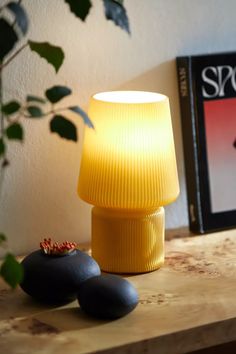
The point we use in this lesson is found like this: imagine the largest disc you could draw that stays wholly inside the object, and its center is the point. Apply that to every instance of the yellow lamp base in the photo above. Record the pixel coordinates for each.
(128, 241)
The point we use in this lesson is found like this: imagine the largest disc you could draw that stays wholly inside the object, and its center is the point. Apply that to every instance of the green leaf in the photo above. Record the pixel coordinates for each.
(2, 147)
(79, 8)
(63, 127)
(115, 11)
(5, 163)
(11, 107)
(8, 38)
(84, 115)
(54, 55)
(31, 98)
(3, 238)
(35, 112)
(11, 271)
(20, 15)
(56, 93)
(15, 132)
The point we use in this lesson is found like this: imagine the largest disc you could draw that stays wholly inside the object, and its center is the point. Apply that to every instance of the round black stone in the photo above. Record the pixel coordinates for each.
(56, 279)
(107, 296)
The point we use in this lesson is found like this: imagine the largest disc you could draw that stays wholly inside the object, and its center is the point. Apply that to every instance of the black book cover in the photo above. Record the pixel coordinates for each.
(207, 91)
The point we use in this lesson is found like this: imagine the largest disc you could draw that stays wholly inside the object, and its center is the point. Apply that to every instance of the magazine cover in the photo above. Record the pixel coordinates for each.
(207, 90)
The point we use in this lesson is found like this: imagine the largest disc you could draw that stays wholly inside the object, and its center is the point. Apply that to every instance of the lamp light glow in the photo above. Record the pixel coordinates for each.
(128, 171)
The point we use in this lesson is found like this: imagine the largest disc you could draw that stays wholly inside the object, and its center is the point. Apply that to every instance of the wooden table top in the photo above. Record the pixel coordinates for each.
(187, 305)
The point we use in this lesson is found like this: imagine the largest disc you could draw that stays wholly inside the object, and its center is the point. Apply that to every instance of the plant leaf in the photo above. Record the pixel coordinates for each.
(15, 132)
(115, 11)
(54, 55)
(2, 147)
(31, 98)
(83, 114)
(11, 271)
(5, 163)
(35, 112)
(8, 38)
(20, 15)
(63, 127)
(79, 8)
(11, 107)
(3, 238)
(56, 93)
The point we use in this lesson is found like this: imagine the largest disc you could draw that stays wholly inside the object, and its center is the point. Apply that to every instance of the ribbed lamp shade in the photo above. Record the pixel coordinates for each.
(128, 161)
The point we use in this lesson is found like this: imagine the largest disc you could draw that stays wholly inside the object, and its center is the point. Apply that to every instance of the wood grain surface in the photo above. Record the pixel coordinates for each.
(187, 305)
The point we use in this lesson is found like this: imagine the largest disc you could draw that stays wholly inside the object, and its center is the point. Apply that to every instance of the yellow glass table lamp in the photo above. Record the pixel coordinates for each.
(128, 171)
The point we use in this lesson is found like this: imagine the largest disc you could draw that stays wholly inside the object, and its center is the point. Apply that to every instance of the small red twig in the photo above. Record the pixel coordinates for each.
(50, 247)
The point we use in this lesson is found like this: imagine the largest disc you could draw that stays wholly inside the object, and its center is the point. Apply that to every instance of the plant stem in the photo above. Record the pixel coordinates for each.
(56, 110)
(3, 65)
(52, 111)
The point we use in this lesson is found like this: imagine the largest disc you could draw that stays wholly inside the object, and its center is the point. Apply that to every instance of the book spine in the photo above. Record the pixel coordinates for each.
(189, 132)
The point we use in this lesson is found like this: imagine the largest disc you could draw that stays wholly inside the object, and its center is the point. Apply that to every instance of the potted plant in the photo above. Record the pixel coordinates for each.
(13, 113)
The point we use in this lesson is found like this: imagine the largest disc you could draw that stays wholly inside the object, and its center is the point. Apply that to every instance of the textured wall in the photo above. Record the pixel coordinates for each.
(39, 197)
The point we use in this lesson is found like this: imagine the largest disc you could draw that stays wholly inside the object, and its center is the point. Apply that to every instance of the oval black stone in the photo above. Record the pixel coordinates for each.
(107, 296)
(56, 279)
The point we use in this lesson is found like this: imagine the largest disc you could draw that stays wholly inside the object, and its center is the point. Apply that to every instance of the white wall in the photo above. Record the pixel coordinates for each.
(39, 197)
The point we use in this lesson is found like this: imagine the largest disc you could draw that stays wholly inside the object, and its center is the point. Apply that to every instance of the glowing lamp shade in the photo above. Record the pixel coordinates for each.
(128, 171)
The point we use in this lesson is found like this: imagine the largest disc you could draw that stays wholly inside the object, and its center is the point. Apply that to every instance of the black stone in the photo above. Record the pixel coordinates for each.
(107, 296)
(55, 279)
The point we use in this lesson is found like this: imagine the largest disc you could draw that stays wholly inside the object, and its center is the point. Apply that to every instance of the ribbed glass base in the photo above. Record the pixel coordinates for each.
(128, 241)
